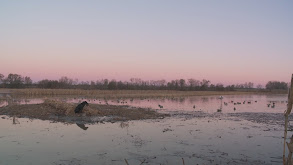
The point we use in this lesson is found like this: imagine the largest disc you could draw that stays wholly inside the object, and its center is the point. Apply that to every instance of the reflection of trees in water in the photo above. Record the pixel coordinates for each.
(193, 99)
(205, 99)
(182, 99)
(213, 98)
(177, 99)
(163, 100)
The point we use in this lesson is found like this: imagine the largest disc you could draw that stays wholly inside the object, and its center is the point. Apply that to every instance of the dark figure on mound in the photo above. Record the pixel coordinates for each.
(80, 106)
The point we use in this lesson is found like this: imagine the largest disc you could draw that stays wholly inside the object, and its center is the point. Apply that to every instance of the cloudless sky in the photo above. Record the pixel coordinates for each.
(225, 41)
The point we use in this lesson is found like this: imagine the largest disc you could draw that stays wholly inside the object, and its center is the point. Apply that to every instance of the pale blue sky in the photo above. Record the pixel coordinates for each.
(224, 41)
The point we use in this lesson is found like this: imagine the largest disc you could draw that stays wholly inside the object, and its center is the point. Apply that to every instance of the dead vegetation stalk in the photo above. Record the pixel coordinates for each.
(287, 161)
(126, 161)
(183, 161)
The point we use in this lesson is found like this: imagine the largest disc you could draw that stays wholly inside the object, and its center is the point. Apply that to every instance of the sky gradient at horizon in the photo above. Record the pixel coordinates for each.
(222, 41)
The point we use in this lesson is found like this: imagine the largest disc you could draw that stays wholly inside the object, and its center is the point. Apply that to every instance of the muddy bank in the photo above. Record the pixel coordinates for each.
(64, 112)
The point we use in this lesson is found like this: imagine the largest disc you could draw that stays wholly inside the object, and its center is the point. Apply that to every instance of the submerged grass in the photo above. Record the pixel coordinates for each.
(121, 93)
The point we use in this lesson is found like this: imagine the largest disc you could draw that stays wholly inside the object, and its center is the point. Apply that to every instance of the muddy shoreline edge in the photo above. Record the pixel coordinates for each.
(58, 111)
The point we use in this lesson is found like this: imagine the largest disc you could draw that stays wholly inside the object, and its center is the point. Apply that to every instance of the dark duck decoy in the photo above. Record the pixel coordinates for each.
(80, 106)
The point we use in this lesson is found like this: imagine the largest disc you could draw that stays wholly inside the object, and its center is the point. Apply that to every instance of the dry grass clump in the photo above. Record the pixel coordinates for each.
(60, 111)
(67, 109)
(61, 108)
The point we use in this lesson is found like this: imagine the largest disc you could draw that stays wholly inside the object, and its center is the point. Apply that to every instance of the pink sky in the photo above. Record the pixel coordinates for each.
(235, 43)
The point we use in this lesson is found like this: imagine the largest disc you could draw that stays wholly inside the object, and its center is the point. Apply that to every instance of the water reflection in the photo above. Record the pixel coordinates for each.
(166, 141)
(15, 120)
(82, 126)
(208, 104)
(221, 106)
(124, 125)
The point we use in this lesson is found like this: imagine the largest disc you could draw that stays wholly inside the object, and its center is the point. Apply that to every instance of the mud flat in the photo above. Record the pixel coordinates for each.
(64, 112)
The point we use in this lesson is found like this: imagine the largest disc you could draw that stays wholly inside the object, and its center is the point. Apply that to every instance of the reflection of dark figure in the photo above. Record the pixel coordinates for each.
(15, 121)
(80, 106)
(82, 126)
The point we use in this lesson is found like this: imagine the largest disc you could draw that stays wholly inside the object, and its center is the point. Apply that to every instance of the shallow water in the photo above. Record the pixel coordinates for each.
(208, 104)
(252, 134)
(166, 141)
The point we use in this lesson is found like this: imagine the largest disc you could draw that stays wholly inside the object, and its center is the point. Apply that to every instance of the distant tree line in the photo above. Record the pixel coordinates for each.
(18, 81)
(15, 81)
(277, 85)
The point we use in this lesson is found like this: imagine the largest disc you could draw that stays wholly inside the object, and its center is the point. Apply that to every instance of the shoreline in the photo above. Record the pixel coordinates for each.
(64, 112)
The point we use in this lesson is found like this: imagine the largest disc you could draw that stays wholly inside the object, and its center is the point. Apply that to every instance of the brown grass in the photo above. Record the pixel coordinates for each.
(51, 109)
(67, 109)
(122, 93)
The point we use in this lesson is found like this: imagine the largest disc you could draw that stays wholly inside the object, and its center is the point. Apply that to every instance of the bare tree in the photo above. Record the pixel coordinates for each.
(65, 81)
(276, 85)
(259, 86)
(112, 85)
(193, 83)
(28, 81)
(14, 80)
(248, 85)
(1, 78)
(204, 84)
(182, 83)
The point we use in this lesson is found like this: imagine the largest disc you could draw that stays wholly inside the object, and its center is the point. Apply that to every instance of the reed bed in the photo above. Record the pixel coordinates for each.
(120, 93)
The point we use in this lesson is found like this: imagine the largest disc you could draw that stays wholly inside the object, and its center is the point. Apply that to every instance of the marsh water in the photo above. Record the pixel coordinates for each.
(201, 130)
(208, 104)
